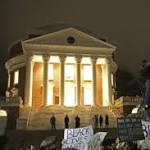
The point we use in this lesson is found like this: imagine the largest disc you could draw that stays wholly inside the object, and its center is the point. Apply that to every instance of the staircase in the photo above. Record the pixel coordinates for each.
(38, 119)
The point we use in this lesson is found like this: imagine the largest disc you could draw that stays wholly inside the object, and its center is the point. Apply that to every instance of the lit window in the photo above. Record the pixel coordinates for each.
(50, 94)
(50, 72)
(87, 74)
(69, 94)
(69, 72)
(88, 94)
(16, 77)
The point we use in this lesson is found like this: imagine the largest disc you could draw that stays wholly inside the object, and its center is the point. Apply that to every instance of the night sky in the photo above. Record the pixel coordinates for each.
(124, 23)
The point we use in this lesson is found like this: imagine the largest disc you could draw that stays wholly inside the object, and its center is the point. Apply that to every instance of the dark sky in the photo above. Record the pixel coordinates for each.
(124, 23)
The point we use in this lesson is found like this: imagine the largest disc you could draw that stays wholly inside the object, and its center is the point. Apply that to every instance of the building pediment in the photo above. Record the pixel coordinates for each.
(69, 37)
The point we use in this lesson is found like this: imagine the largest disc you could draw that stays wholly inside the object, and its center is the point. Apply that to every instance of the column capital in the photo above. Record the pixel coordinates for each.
(93, 59)
(78, 59)
(62, 58)
(108, 60)
(29, 57)
(45, 57)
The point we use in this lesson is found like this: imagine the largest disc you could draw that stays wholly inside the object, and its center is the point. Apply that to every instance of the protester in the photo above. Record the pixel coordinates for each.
(106, 121)
(96, 121)
(100, 120)
(53, 122)
(77, 122)
(66, 120)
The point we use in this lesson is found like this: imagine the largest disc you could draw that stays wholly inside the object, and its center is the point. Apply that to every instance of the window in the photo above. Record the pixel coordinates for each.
(88, 94)
(16, 77)
(69, 94)
(69, 72)
(87, 72)
(50, 72)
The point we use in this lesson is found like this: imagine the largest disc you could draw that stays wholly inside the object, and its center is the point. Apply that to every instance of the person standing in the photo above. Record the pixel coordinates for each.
(106, 121)
(100, 120)
(53, 122)
(96, 121)
(66, 120)
(77, 122)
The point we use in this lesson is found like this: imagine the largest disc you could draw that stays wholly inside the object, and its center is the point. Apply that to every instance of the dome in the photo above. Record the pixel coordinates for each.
(15, 49)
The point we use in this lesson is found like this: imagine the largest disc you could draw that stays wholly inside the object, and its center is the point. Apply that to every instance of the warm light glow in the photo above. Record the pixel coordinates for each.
(69, 94)
(50, 94)
(54, 59)
(87, 72)
(105, 87)
(86, 60)
(16, 77)
(70, 60)
(3, 113)
(101, 61)
(50, 72)
(88, 94)
(69, 72)
(37, 58)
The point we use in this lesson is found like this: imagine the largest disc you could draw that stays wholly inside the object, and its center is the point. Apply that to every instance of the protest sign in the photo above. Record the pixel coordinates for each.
(146, 129)
(145, 144)
(98, 139)
(129, 129)
(77, 138)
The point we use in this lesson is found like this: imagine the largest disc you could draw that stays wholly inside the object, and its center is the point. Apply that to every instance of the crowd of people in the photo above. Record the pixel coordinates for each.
(98, 121)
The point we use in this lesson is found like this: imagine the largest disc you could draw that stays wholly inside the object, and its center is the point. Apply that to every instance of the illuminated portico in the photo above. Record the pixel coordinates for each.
(66, 68)
(75, 73)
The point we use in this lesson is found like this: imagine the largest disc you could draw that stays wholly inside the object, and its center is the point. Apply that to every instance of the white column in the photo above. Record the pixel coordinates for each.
(93, 60)
(45, 79)
(108, 78)
(78, 65)
(28, 81)
(62, 75)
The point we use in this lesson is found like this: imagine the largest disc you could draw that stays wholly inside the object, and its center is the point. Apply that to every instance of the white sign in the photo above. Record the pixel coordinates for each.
(98, 139)
(145, 144)
(146, 129)
(77, 138)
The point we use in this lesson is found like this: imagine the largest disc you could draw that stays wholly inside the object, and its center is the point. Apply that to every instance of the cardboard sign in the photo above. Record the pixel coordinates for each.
(129, 129)
(146, 129)
(77, 138)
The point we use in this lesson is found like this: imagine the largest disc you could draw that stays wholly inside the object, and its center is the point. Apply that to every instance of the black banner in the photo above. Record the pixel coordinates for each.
(129, 129)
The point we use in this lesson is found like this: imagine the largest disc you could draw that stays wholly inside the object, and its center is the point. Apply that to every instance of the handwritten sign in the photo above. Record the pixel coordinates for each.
(77, 138)
(129, 129)
(146, 129)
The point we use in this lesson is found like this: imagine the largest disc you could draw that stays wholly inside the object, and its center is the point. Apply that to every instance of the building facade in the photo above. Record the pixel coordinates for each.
(67, 67)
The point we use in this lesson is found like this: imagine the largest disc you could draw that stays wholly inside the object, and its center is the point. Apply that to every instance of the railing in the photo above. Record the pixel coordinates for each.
(11, 101)
(127, 100)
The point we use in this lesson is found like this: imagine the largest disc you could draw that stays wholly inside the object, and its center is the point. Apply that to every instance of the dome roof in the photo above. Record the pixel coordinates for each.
(15, 49)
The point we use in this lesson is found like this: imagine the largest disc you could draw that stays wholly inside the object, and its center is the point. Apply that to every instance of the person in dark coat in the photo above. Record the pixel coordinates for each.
(100, 120)
(53, 122)
(96, 121)
(77, 122)
(106, 121)
(66, 120)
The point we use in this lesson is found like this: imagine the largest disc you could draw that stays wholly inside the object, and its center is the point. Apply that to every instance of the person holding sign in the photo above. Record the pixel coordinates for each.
(66, 120)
